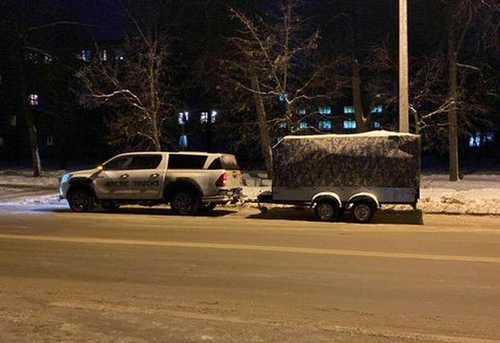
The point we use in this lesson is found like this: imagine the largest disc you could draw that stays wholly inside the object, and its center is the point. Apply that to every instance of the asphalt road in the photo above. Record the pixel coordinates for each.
(143, 275)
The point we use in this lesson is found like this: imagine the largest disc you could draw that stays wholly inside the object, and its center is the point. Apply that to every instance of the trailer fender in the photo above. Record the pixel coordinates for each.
(366, 196)
(327, 195)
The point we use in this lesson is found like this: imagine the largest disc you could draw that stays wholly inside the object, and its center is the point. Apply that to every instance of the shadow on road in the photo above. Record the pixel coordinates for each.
(153, 211)
(411, 217)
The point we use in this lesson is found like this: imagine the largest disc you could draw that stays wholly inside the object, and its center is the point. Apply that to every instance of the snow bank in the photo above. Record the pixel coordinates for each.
(23, 178)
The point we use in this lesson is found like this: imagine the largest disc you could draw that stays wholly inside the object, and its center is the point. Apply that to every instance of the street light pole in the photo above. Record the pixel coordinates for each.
(404, 112)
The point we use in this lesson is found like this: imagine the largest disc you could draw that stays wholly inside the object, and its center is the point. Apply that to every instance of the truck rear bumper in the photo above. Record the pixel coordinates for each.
(224, 197)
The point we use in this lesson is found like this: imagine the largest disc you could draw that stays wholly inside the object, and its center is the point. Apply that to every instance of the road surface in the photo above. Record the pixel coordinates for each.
(143, 275)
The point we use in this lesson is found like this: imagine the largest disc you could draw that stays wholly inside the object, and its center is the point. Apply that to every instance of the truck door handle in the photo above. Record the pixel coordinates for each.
(124, 176)
(155, 176)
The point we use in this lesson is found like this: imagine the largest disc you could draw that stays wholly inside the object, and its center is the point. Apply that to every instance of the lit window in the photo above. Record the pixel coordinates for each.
(33, 99)
(325, 125)
(204, 117)
(349, 110)
(378, 109)
(119, 55)
(349, 124)
(302, 112)
(474, 142)
(490, 137)
(377, 125)
(86, 55)
(104, 55)
(183, 118)
(213, 117)
(325, 110)
(50, 141)
(183, 141)
(303, 125)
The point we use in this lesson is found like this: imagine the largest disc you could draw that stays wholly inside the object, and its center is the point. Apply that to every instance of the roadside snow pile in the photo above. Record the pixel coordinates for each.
(39, 200)
(475, 194)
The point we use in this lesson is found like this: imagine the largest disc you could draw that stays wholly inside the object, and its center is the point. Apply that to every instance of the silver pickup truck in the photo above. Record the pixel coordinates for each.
(190, 182)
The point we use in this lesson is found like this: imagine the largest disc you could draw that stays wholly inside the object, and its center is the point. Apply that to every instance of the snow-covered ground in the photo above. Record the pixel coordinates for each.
(22, 178)
(475, 194)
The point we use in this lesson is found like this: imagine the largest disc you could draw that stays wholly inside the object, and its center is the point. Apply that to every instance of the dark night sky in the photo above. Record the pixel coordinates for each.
(105, 15)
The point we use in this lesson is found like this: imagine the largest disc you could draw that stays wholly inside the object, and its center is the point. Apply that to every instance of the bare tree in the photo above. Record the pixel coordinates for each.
(25, 38)
(137, 86)
(275, 61)
(462, 17)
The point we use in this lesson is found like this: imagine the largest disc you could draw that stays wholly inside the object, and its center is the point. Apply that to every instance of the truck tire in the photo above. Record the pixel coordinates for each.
(81, 200)
(326, 210)
(185, 203)
(363, 211)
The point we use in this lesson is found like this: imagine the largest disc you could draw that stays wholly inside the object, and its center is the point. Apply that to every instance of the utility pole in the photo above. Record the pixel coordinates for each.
(404, 112)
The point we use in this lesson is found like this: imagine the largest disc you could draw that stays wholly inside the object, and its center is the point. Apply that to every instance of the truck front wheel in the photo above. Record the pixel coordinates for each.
(185, 203)
(326, 210)
(80, 200)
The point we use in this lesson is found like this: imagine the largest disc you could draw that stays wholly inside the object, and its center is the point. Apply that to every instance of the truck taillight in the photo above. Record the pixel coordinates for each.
(222, 180)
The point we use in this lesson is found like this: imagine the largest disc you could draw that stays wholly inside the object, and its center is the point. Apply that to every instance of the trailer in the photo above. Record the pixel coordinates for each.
(357, 173)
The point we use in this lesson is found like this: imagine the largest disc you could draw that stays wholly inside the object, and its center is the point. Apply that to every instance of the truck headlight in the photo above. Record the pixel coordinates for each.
(65, 178)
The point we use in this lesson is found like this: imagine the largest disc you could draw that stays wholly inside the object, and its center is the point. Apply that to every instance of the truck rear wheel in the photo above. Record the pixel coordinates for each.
(81, 200)
(363, 211)
(326, 210)
(185, 203)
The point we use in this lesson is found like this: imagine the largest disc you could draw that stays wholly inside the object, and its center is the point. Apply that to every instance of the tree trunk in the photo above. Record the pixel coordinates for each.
(35, 154)
(29, 119)
(265, 139)
(453, 112)
(362, 121)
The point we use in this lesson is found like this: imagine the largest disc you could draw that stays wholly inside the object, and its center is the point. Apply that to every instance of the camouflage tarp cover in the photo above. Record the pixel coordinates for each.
(373, 159)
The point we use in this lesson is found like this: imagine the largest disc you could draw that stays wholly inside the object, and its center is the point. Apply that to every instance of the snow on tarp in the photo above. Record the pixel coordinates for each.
(372, 159)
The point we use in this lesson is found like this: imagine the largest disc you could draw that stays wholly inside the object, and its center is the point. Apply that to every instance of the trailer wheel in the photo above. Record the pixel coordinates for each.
(326, 210)
(363, 211)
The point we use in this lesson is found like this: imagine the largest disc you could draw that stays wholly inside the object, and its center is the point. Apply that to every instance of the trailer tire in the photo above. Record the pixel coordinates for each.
(363, 211)
(326, 210)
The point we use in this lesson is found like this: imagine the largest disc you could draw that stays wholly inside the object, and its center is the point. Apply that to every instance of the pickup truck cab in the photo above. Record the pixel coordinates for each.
(189, 181)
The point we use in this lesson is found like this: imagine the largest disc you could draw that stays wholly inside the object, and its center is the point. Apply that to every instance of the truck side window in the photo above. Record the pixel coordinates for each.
(215, 165)
(119, 163)
(145, 162)
(186, 161)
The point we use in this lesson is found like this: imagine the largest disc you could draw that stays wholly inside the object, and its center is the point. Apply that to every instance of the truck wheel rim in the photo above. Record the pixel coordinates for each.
(362, 212)
(79, 201)
(183, 202)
